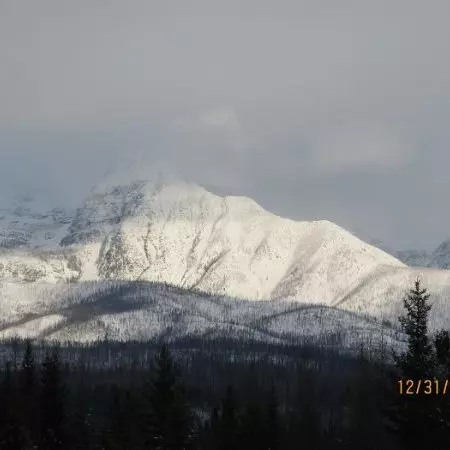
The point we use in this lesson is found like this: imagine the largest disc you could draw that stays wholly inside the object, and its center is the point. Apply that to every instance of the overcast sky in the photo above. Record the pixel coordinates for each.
(321, 109)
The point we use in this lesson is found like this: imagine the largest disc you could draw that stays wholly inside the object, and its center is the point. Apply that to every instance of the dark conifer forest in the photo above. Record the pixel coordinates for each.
(228, 394)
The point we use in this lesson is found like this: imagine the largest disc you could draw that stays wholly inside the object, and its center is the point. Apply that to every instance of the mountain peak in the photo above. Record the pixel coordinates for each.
(137, 171)
(143, 223)
(441, 256)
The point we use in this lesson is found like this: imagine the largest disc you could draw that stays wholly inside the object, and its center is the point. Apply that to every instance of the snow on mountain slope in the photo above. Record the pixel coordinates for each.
(181, 234)
(29, 242)
(37, 265)
(178, 233)
(412, 258)
(28, 224)
(89, 311)
(440, 258)
(382, 293)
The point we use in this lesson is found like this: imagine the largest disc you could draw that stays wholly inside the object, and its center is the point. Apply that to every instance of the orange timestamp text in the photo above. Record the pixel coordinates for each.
(427, 387)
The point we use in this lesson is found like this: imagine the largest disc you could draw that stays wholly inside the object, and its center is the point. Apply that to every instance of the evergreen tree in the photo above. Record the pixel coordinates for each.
(305, 420)
(28, 394)
(229, 424)
(82, 432)
(272, 421)
(364, 408)
(167, 416)
(119, 431)
(52, 404)
(416, 417)
(418, 361)
(309, 424)
(11, 437)
(28, 373)
(252, 428)
(442, 348)
(210, 436)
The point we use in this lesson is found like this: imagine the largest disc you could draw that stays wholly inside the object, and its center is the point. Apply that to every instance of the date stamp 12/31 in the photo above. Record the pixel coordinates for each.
(427, 387)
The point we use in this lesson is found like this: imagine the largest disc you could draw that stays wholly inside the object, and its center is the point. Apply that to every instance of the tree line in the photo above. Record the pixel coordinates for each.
(229, 399)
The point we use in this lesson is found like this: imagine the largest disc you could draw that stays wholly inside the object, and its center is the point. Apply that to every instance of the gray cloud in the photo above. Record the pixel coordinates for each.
(324, 109)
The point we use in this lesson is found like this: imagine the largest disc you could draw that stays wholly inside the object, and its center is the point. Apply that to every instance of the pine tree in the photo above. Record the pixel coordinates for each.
(416, 418)
(167, 416)
(11, 437)
(305, 420)
(81, 433)
(272, 421)
(252, 428)
(418, 361)
(229, 424)
(52, 404)
(210, 433)
(442, 348)
(28, 394)
(117, 435)
(364, 409)
(28, 374)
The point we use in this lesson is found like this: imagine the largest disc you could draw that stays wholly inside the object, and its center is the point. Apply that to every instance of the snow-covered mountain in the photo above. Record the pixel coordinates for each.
(439, 258)
(413, 258)
(181, 234)
(25, 223)
(178, 233)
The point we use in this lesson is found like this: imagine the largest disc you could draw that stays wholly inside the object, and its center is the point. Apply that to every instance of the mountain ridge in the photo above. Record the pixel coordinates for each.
(439, 258)
(178, 233)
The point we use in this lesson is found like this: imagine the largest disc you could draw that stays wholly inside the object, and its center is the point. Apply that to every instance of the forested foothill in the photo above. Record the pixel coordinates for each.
(198, 393)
